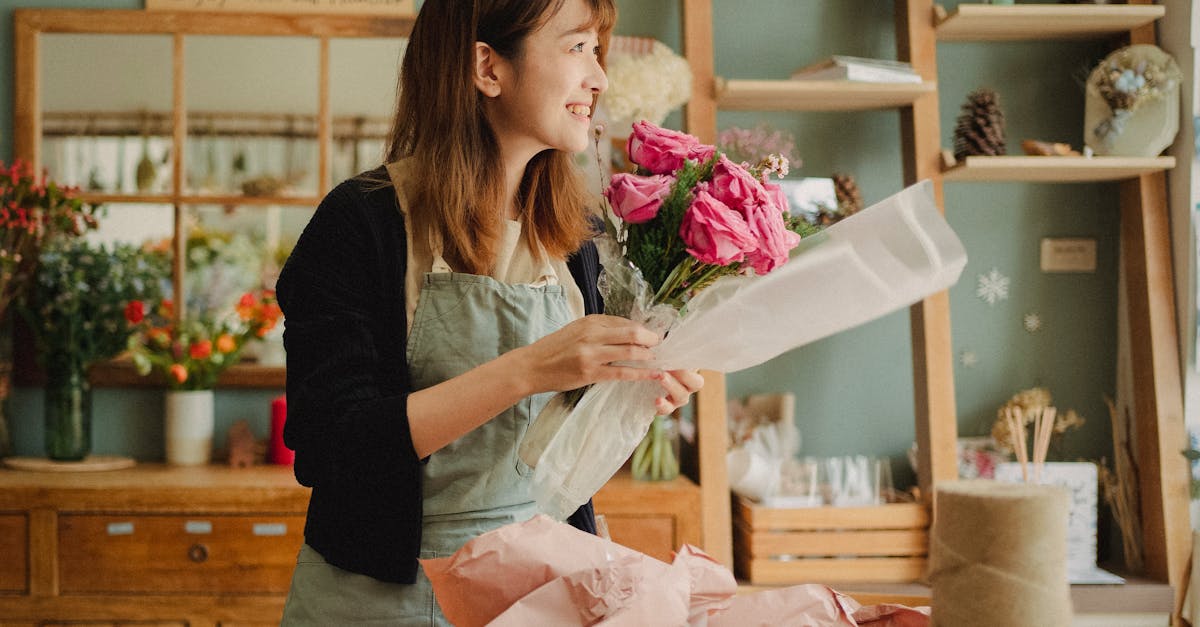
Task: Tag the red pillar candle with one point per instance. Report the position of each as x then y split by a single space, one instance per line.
279 452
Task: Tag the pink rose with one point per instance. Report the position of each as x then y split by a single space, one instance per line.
636 199
701 153
774 240
659 150
734 186
714 233
777 197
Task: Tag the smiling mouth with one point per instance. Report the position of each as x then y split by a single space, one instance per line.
578 109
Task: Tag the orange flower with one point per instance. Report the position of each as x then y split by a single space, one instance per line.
178 372
159 336
246 306
226 343
166 309
201 349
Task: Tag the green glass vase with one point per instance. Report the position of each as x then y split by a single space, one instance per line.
68 410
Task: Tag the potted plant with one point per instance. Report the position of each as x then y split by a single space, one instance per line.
77 315
191 353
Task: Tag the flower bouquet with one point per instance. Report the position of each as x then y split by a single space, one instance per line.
702 250
33 209
192 353
76 315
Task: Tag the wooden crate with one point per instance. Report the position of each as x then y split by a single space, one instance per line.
881 543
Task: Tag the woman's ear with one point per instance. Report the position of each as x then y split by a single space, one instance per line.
486 79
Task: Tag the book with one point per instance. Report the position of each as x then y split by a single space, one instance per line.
841 67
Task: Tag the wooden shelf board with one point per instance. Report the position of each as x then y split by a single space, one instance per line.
120 373
796 95
1055 169
169 199
983 22
237 199
1137 595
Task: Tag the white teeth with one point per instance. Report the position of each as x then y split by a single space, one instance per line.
580 109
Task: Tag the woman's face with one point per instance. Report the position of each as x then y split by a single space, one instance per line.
546 95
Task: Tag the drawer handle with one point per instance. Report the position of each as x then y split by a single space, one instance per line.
119 528
270 529
198 553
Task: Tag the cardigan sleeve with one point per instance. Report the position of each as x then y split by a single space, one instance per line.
347 380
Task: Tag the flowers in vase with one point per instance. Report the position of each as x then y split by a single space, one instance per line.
192 353
32 210
77 307
1128 79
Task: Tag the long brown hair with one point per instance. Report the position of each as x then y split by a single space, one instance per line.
456 185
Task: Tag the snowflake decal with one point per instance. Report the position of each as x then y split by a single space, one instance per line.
968 358
992 287
1032 322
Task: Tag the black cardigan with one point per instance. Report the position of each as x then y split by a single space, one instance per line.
342 295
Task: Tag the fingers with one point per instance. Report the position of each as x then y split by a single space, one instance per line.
613 330
679 386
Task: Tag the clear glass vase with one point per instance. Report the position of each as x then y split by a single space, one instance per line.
68 412
657 455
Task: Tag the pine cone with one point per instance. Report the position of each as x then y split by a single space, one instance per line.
980 128
848 197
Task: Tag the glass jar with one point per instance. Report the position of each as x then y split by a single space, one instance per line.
68 412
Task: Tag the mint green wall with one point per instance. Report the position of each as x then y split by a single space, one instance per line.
854 390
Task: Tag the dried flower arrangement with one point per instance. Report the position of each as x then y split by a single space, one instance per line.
1120 487
1013 419
1128 79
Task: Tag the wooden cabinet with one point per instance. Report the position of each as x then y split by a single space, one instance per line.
151 545
163 545
654 517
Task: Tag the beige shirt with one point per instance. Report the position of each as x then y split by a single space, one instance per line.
515 263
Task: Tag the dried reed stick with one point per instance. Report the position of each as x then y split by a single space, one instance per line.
1042 430
1121 487
1017 426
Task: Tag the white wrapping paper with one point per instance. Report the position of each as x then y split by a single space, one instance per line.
889 256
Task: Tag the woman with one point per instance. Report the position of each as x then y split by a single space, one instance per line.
431 309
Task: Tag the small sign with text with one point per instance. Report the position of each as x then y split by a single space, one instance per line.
1069 254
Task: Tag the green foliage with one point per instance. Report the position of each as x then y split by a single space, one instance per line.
78 299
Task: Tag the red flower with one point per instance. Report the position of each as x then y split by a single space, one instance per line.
201 349
135 311
178 372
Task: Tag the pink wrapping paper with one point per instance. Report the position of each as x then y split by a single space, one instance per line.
542 572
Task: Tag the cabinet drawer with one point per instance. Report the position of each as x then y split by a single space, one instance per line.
14 547
652 535
193 553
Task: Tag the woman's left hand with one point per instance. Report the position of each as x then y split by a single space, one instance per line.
678 387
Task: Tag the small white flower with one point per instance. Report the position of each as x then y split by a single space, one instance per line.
968 358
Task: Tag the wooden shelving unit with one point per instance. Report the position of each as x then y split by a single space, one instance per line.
1153 362
795 95
1145 253
1055 169
986 22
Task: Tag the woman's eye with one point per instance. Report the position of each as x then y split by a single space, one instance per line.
596 51
578 47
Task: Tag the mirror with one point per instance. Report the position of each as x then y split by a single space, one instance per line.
213 146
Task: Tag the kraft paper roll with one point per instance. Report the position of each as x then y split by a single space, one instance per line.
998 555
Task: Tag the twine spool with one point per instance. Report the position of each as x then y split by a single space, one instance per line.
998 555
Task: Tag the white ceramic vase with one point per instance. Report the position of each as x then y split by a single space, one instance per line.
189 427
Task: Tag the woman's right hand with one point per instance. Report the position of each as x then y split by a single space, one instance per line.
583 352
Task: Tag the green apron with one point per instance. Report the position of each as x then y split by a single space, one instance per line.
471 486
